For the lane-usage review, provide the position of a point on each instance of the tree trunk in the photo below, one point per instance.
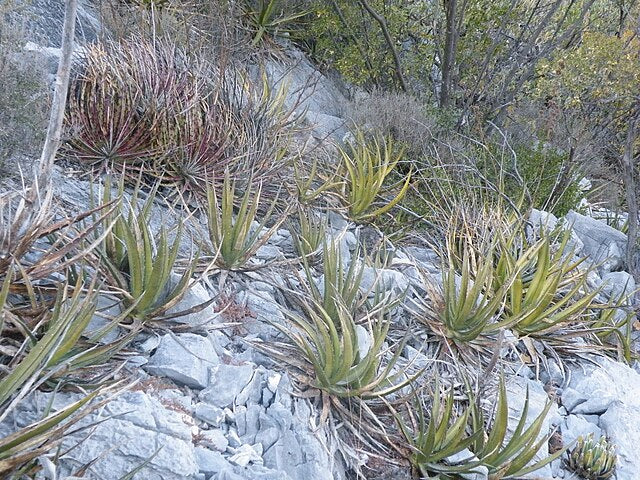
(387, 36)
(449, 52)
(54, 130)
(631, 194)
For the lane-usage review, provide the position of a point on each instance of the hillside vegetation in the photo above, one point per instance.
(415, 216)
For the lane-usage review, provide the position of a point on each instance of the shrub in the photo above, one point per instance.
(24, 96)
(397, 115)
(545, 175)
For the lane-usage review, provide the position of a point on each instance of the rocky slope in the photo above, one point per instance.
(210, 405)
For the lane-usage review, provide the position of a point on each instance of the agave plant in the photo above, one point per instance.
(139, 263)
(332, 357)
(49, 350)
(202, 148)
(151, 107)
(367, 165)
(611, 323)
(471, 307)
(591, 460)
(444, 435)
(313, 184)
(510, 457)
(550, 293)
(310, 233)
(265, 18)
(109, 116)
(341, 285)
(235, 238)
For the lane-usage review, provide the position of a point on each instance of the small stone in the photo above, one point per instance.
(211, 414)
(228, 381)
(210, 462)
(246, 454)
(214, 439)
(273, 380)
(233, 438)
(196, 297)
(184, 358)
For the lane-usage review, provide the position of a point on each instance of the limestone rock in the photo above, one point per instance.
(185, 358)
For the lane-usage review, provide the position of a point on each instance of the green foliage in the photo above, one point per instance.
(342, 35)
(543, 175)
(469, 308)
(315, 182)
(234, 238)
(591, 460)
(510, 458)
(341, 285)
(20, 448)
(368, 164)
(613, 322)
(446, 434)
(49, 351)
(442, 436)
(542, 170)
(599, 71)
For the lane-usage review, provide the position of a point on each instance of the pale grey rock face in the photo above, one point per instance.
(384, 279)
(621, 422)
(210, 462)
(617, 284)
(574, 426)
(227, 382)
(603, 244)
(45, 18)
(540, 220)
(480, 472)
(593, 388)
(212, 415)
(263, 310)
(195, 298)
(184, 358)
(128, 431)
(310, 92)
(607, 394)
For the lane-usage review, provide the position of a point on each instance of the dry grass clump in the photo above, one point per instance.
(397, 115)
(150, 107)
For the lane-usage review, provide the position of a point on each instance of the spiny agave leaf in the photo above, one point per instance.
(367, 168)
(40, 354)
(330, 345)
(510, 458)
(233, 238)
(439, 438)
(29, 437)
